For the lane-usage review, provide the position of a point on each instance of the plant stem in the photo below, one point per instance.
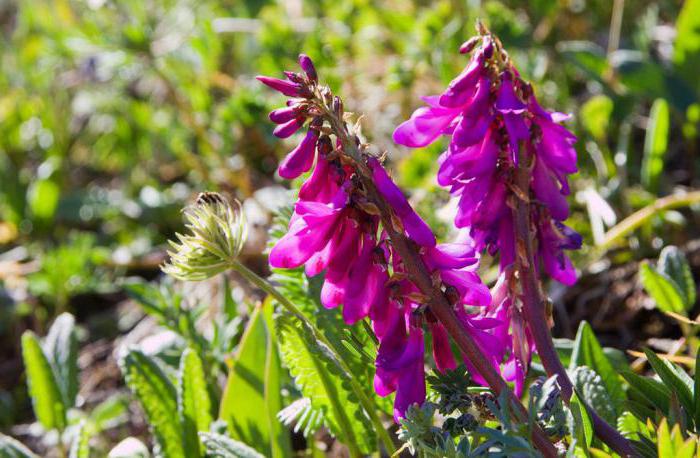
(266, 286)
(534, 310)
(437, 301)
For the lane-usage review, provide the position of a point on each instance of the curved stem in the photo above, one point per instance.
(534, 312)
(266, 286)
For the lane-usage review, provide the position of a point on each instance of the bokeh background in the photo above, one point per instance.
(115, 114)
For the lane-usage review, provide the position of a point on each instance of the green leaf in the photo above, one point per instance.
(110, 413)
(655, 392)
(158, 399)
(249, 413)
(673, 264)
(675, 378)
(583, 426)
(686, 54)
(43, 388)
(655, 145)
(220, 446)
(12, 448)
(194, 405)
(279, 435)
(588, 352)
(595, 115)
(696, 393)
(61, 348)
(591, 389)
(586, 55)
(81, 443)
(662, 289)
(43, 199)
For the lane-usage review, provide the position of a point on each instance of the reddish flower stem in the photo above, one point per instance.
(436, 299)
(534, 310)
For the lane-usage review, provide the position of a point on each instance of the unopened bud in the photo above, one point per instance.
(218, 232)
(469, 45)
(308, 66)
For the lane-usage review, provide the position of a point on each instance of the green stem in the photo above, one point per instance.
(291, 308)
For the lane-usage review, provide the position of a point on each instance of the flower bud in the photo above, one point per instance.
(308, 66)
(218, 232)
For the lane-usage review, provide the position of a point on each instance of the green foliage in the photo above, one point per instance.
(593, 392)
(43, 386)
(194, 405)
(655, 144)
(666, 293)
(61, 348)
(81, 446)
(582, 424)
(588, 352)
(686, 52)
(252, 397)
(674, 264)
(220, 446)
(158, 398)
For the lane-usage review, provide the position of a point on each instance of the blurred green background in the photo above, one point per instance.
(115, 114)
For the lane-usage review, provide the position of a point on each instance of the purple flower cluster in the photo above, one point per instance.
(336, 229)
(493, 122)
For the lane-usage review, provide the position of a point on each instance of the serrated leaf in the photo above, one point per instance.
(675, 378)
(673, 263)
(662, 289)
(80, 448)
(655, 145)
(193, 403)
(220, 446)
(588, 352)
(592, 390)
(12, 448)
(246, 406)
(61, 348)
(158, 398)
(43, 387)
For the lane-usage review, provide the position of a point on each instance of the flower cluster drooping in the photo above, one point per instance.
(495, 125)
(336, 228)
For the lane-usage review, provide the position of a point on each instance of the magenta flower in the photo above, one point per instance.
(492, 121)
(334, 232)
